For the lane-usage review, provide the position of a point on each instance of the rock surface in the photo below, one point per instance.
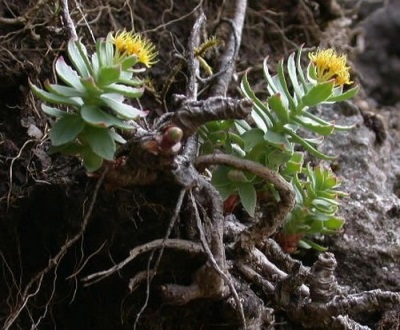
(369, 155)
(371, 236)
(379, 63)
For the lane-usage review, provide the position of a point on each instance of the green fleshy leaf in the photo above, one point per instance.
(136, 71)
(216, 138)
(54, 112)
(300, 193)
(68, 75)
(344, 96)
(95, 65)
(233, 139)
(280, 88)
(314, 141)
(220, 176)
(315, 118)
(108, 75)
(127, 91)
(226, 191)
(212, 126)
(128, 62)
(93, 115)
(134, 82)
(100, 141)
(221, 182)
(252, 137)
(259, 107)
(260, 121)
(326, 179)
(62, 90)
(248, 197)
(276, 104)
(318, 94)
(109, 51)
(277, 158)
(334, 223)
(259, 152)
(271, 84)
(128, 75)
(239, 129)
(101, 53)
(307, 244)
(331, 194)
(312, 73)
(237, 176)
(54, 98)
(66, 129)
(295, 164)
(78, 55)
(116, 137)
(319, 217)
(300, 73)
(325, 206)
(314, 126)
(291, 66)
(225, 125)
(297, 139)
(278, 140)
(241, 124)
(91, 87)
(282, 80)
(316, 225)
(91, 161)
(235, 150)
(121, 109)
(323, 122)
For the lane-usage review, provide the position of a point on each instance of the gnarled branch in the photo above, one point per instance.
(266, 225)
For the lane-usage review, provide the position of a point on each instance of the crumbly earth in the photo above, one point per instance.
(43, 197)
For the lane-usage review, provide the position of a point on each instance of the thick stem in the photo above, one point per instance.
(68, 20)
(227, 62)
(267, 225)
(192, 114)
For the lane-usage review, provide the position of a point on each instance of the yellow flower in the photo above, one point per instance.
(130, 43)
(329, 65)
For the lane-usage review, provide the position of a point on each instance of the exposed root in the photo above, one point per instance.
(227, 64)
(217, 267)
(68, 20)
(178, 244)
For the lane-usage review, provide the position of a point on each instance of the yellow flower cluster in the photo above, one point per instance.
(329, 65)
(130, 43)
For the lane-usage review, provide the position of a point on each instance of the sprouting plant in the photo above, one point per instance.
(275, 136)
(200, 52)
(316, 204)
(93, 96)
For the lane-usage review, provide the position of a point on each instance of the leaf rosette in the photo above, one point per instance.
(93, 99)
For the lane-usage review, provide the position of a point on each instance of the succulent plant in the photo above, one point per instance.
(93, 97)
(273, 140)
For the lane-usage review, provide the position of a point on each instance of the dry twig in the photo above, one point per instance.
(220, 86)
(68, 20)
(266, 226)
